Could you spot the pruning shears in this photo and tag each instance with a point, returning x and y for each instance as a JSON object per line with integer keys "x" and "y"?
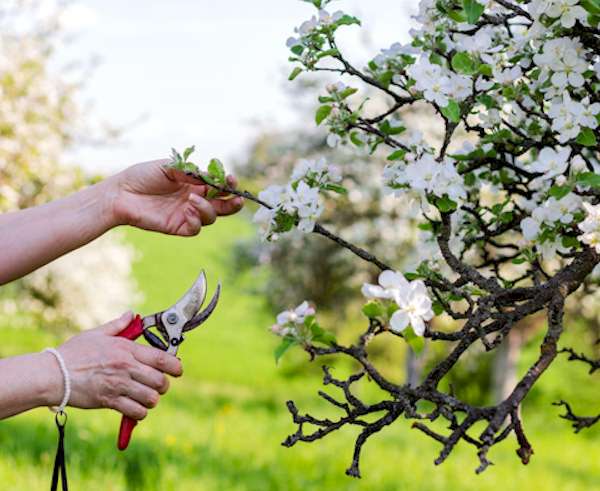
{"x": 181, "y": 317}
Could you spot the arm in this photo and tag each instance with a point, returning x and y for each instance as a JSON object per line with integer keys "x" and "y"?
{"x": 147, "y": 196}
{"x": 106, "y": 372}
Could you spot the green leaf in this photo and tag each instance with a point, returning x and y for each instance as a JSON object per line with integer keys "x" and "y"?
{"x": 589, "y": 179}
{"x": 286, "y": 344}
{"x": 216, "y": 170}
{"x": 322, "y": 336}
{"x": 473, "y": 10}
{"x": 587, "y": 138}
{"x": 336, "y": 188}
{"x": 322, "y": 114}
{"x": 348, "y": 20}
{"x": 386, "y": 78}
{"x": 570, "y": 241}
{"x": 485, "y": 69}
{"x": 416, "y": 343}
{"x": 437, "y": 307}
{"x": 451, "y": 111}
{"x": 463, "y": 63}
{"x": 445, "y": 204}
{"x": 397, "y": 155}
{"x": 486, "y": 100}
{"x": 592, "y": 6}
{"x": 328, "y": 52}
{"x": 457, "y": 15}
{"x": 295, "y": 72}
{"x": 347, "y": 92}
{"x": 188, "y": 151}
{"x": 356, "y": 140}
{"x": 559, "y": 192}
{"x": 373, "y": 309}
{"x": 387, "y": 129}
{"x": 175, "y": 157}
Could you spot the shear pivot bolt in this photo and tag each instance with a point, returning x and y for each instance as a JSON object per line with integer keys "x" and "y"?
{"x": 172, "y": 318}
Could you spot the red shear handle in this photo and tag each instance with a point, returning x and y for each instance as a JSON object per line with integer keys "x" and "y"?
{"x": 133, "y": 331}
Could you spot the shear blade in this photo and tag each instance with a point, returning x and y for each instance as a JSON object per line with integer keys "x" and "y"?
{"x": 193, "y": 299}
{"x": 205, "y": 314}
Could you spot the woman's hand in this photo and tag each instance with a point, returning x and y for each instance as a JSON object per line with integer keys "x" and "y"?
{"x": 153, "y": 197}
{"x": 112, "y": 372}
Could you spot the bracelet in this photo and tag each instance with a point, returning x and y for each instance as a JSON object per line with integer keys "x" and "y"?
{"x": 66, "y": 378}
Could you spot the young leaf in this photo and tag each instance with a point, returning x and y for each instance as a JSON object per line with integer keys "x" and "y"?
{"x": 589, "y": 179}
{"x": 372, "y": 309}
{"x": 348, "y": 20}
{"x": 463, "y": 63}
{"x": 322, "y": 114}
{"x": 188, "y": 151}
{"x": 559, "y": 192}
{"x": 416, "y": 343}
{"x": 445, "y": 204}
{"x": 216, "y": 170}
{"x": 397, "y": 155}
{"x": 336, "y": 188}
{"x": 286, "y": 344}
{"x": 295, "y": 72}
{"x": 473, "y": 10}
{"x": 451, "y": 111}
{"x": 587, "y": 138}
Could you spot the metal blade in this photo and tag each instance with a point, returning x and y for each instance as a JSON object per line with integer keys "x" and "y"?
{"x": 205, "y": 314}
{"x": 192, "y": 300}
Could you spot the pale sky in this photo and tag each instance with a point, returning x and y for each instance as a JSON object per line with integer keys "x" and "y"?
{"x": 202, "y": 72}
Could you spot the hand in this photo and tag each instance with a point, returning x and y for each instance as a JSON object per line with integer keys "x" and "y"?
{"x": 153, "y": 197}
{"x": 113, "y": 372}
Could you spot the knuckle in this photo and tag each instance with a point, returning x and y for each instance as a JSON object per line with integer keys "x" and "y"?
{"x": 105, "y": 401}
{"x": 160, "y": 360}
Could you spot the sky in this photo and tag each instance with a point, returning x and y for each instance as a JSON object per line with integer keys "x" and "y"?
{"x": 213, "y": 74}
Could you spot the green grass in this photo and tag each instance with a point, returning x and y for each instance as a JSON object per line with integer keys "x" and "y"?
{"x": 220, "y": 426}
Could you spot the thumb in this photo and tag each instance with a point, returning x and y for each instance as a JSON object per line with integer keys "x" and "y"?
{"x": 115, "y": 326}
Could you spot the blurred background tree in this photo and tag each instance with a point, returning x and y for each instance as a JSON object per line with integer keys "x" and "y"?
{"x": 39, "y": 121}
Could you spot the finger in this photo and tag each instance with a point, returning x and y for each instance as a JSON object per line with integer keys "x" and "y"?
{"x": 115, "y": 326}
{"x": 224, "y": 207}
{"x": 130, "y": 408}
{"x": 204, "y": 208}
{"x": 142, "y": 394}
{"x": 232, "y": 182}
{"x": 157, "y": 359}
{"x": 180, "y": 176}
{"x": 193, "y": 222}
{"x": 150, "y": 377}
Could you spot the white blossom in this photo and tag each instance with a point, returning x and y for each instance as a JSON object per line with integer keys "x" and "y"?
{"x": 414, "y": 308}
{"x": 411, "y": 298}
{"x": 591, "y": 226}
{"x": 551, "y": 162}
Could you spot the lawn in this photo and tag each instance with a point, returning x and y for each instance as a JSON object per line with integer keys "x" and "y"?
{"x": 220, "y": 426}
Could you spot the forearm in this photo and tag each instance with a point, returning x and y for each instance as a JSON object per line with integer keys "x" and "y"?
{"x": 29, "y": 381}
{"x": 36, "y": 236}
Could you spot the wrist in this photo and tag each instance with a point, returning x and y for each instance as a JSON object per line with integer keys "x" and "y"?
{"x": 51, "y": 384}
{"x": 109, "y": 195}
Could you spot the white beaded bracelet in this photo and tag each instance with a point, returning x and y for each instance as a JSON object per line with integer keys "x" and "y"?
{"x": 66, "y": 378}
